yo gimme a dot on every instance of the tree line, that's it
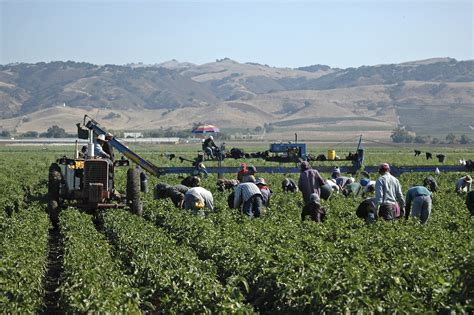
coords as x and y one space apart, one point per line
402 135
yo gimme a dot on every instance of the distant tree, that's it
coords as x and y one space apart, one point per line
465 139
451 138
55 132
29 134
399 135
5 134
435 140
268 127
258 129
422 139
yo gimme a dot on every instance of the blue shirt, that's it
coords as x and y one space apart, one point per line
416 191
98 151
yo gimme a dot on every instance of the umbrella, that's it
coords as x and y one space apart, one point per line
205 129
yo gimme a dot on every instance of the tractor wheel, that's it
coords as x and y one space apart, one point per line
53 212
54 182
133 190
136 207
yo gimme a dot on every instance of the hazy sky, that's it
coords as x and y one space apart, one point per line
277 33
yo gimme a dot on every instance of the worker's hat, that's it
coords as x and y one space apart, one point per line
101 137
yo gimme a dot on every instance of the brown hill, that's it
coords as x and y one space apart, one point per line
430 96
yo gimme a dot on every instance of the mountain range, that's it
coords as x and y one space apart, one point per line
430 97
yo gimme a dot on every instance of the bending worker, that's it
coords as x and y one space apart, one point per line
421 198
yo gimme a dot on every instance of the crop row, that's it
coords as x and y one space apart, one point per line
341 265
23 252
92 280
171 278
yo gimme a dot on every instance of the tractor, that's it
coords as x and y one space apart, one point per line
87 182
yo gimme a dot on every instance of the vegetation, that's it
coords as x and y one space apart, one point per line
170 261
93 282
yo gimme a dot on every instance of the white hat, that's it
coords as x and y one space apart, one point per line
211 137
101 137
261 181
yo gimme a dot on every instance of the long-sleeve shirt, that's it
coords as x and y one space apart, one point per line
388 190
98 151
310 182
414 192
266 195
199 193
244 192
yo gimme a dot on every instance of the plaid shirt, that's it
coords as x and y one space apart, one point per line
244 192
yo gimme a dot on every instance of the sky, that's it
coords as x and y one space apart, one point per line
277 33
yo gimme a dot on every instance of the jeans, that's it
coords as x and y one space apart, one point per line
253 206
421 208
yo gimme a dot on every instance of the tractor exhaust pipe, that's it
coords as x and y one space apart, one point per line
296 137
90 145
76 155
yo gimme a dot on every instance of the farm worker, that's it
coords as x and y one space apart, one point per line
367 210
175 193
470 202
98 147
251 170
310 181
430 183
107 146
208 146
464 184
341 181
242 171
198 198
313 209
326 191
421 198
388 194
289 185
143 179
354 189
266 192
336 172
249 196
368 186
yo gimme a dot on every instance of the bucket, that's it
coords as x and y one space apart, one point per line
331 154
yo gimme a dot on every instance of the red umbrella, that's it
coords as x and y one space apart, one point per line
205 129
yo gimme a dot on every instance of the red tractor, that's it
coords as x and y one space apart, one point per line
88 182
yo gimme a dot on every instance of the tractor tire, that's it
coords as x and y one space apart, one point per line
54 185
133 191
54 182
53 212
136 207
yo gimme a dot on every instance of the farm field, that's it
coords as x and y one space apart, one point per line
169 261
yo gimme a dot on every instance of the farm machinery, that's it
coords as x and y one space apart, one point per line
88 182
